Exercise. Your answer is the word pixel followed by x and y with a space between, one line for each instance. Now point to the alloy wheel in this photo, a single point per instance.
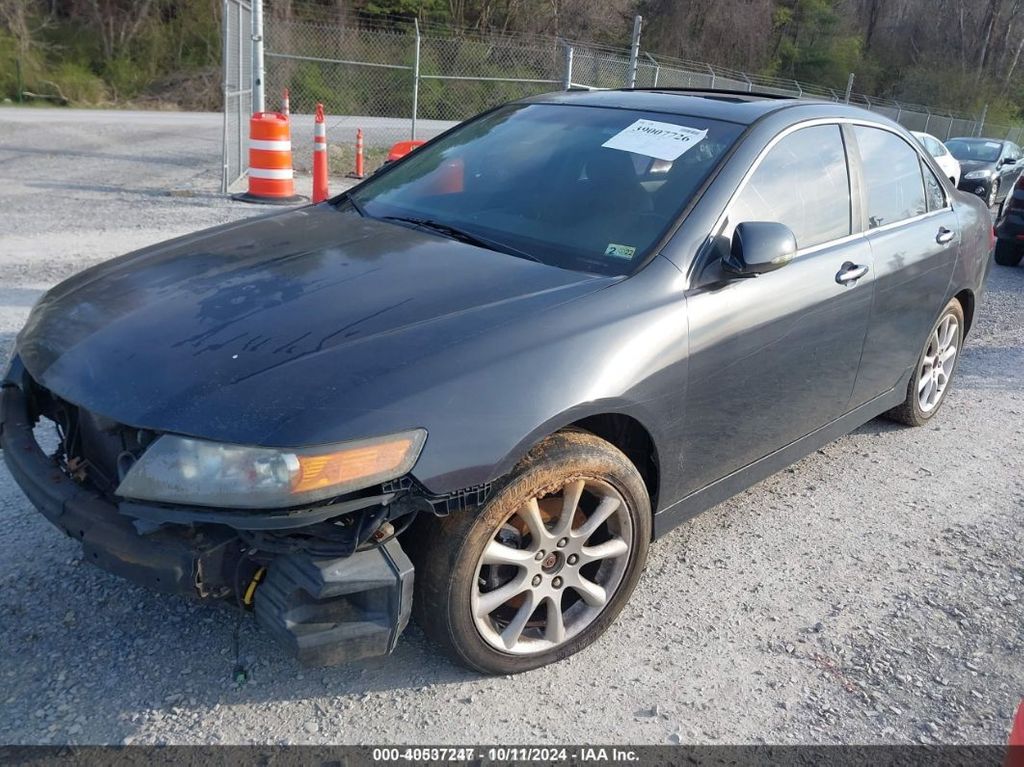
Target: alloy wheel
pixel 551 567
pixel 937 363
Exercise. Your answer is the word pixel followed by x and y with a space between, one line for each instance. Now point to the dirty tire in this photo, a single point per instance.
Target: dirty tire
pixel 1008 253
pixel 910 411
pixel 448 551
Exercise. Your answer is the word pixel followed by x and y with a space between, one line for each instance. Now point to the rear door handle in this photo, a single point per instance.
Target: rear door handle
pixel 945 235
pixel 850 273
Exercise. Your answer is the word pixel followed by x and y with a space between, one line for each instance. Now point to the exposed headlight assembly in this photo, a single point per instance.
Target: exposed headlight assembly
pixel 196 472
pixel 978 174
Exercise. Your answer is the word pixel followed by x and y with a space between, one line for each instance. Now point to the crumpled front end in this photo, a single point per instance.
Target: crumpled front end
pixel 330 581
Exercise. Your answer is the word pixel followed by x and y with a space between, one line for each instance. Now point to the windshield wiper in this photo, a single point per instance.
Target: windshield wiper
pixel 462 235
pixel 356 205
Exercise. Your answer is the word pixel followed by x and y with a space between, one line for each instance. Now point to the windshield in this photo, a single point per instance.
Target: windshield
pixel 585 188
pixel 976 150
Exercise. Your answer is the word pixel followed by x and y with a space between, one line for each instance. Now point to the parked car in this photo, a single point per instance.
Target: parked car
pixel 478 390
pixel 989 166
pixel 946 161
pixel 1010 227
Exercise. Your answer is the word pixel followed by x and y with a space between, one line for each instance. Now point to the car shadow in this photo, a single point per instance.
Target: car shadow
pixel 20 297
pixel 178 160
pixel 177 194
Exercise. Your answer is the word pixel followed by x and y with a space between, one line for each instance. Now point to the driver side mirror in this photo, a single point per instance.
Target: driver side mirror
pixel 1008 161
pixel 759 247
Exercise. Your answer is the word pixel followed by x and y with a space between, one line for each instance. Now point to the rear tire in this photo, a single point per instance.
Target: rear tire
pixel 490 580
pixel 1008 253
pixel 934 370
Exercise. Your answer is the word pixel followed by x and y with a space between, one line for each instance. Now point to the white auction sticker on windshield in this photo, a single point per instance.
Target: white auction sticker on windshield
pixel 664 141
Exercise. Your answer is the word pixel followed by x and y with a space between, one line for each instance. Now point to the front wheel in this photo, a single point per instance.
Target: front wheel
pixel 545 566
pixel 930 382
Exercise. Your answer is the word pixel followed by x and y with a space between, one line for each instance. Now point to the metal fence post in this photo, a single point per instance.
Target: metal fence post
pixel 799 90
pixel 657 68
pixel 927 120
pixel 567 80
pixel 415 79
pixel 711 69
pixel 240 142
pixel 634 50
pixel 849 88
pixel 984 116
pixel 750 85
pixel 259 103
pixel 899 110
pixel 224 75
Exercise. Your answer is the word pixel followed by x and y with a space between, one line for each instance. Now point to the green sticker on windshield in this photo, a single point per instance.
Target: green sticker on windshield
pixel 619 251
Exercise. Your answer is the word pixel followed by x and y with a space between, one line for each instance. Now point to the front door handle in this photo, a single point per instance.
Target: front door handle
pixel 850 273
pixel 944 236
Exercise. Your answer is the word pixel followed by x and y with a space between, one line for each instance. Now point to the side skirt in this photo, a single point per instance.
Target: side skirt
pixel 722 489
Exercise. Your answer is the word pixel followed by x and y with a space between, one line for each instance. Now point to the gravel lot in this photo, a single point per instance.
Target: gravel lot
pixel 872 593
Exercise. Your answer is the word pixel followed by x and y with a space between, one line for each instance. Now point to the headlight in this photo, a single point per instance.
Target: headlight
pixel 977 174
pixel 193 471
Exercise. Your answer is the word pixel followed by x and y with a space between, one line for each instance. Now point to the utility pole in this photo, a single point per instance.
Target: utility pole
pixel 415 79
pixel 634 50
pixel 849 88
pixel 259 101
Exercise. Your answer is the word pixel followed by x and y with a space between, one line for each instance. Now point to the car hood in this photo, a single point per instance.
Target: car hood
pixel 966 166
pixel 229 333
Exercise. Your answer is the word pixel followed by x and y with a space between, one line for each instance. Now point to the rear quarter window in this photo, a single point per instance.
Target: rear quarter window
pixel 892 175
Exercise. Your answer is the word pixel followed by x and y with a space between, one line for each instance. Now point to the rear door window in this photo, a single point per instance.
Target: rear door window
pixel 892 175
pixel 804 183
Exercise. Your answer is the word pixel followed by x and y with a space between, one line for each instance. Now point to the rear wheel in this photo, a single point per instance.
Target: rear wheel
pixel 930 382
pixel 1008 253
pixel 542 569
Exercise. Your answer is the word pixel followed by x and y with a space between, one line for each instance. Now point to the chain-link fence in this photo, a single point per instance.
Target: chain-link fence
pixel 237 23
pixel 403 80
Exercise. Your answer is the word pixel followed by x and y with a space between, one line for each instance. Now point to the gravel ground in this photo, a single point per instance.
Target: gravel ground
pixel 872 593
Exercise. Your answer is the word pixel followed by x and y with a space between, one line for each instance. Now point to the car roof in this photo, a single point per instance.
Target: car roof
pixel 733 106
pixel 978 138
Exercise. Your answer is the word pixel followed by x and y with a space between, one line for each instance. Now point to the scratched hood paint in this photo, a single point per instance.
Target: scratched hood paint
pixel 241 333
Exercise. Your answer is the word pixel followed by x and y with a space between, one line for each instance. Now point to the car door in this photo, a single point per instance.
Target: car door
pixel 914 236
pixel 774 357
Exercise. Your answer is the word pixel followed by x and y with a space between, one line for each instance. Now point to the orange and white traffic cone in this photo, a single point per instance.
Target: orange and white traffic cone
pixel 271 178
pixel 320 171
pixel 1015 750
pixel 359 155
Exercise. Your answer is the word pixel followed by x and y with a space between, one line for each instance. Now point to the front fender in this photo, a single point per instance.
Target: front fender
pixel 622 350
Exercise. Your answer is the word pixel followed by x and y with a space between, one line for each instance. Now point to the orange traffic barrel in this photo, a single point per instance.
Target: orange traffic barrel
pixel 271 178
pixel 401 148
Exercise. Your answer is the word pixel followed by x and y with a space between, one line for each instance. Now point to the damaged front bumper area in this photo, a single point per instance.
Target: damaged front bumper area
pixel 331 582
